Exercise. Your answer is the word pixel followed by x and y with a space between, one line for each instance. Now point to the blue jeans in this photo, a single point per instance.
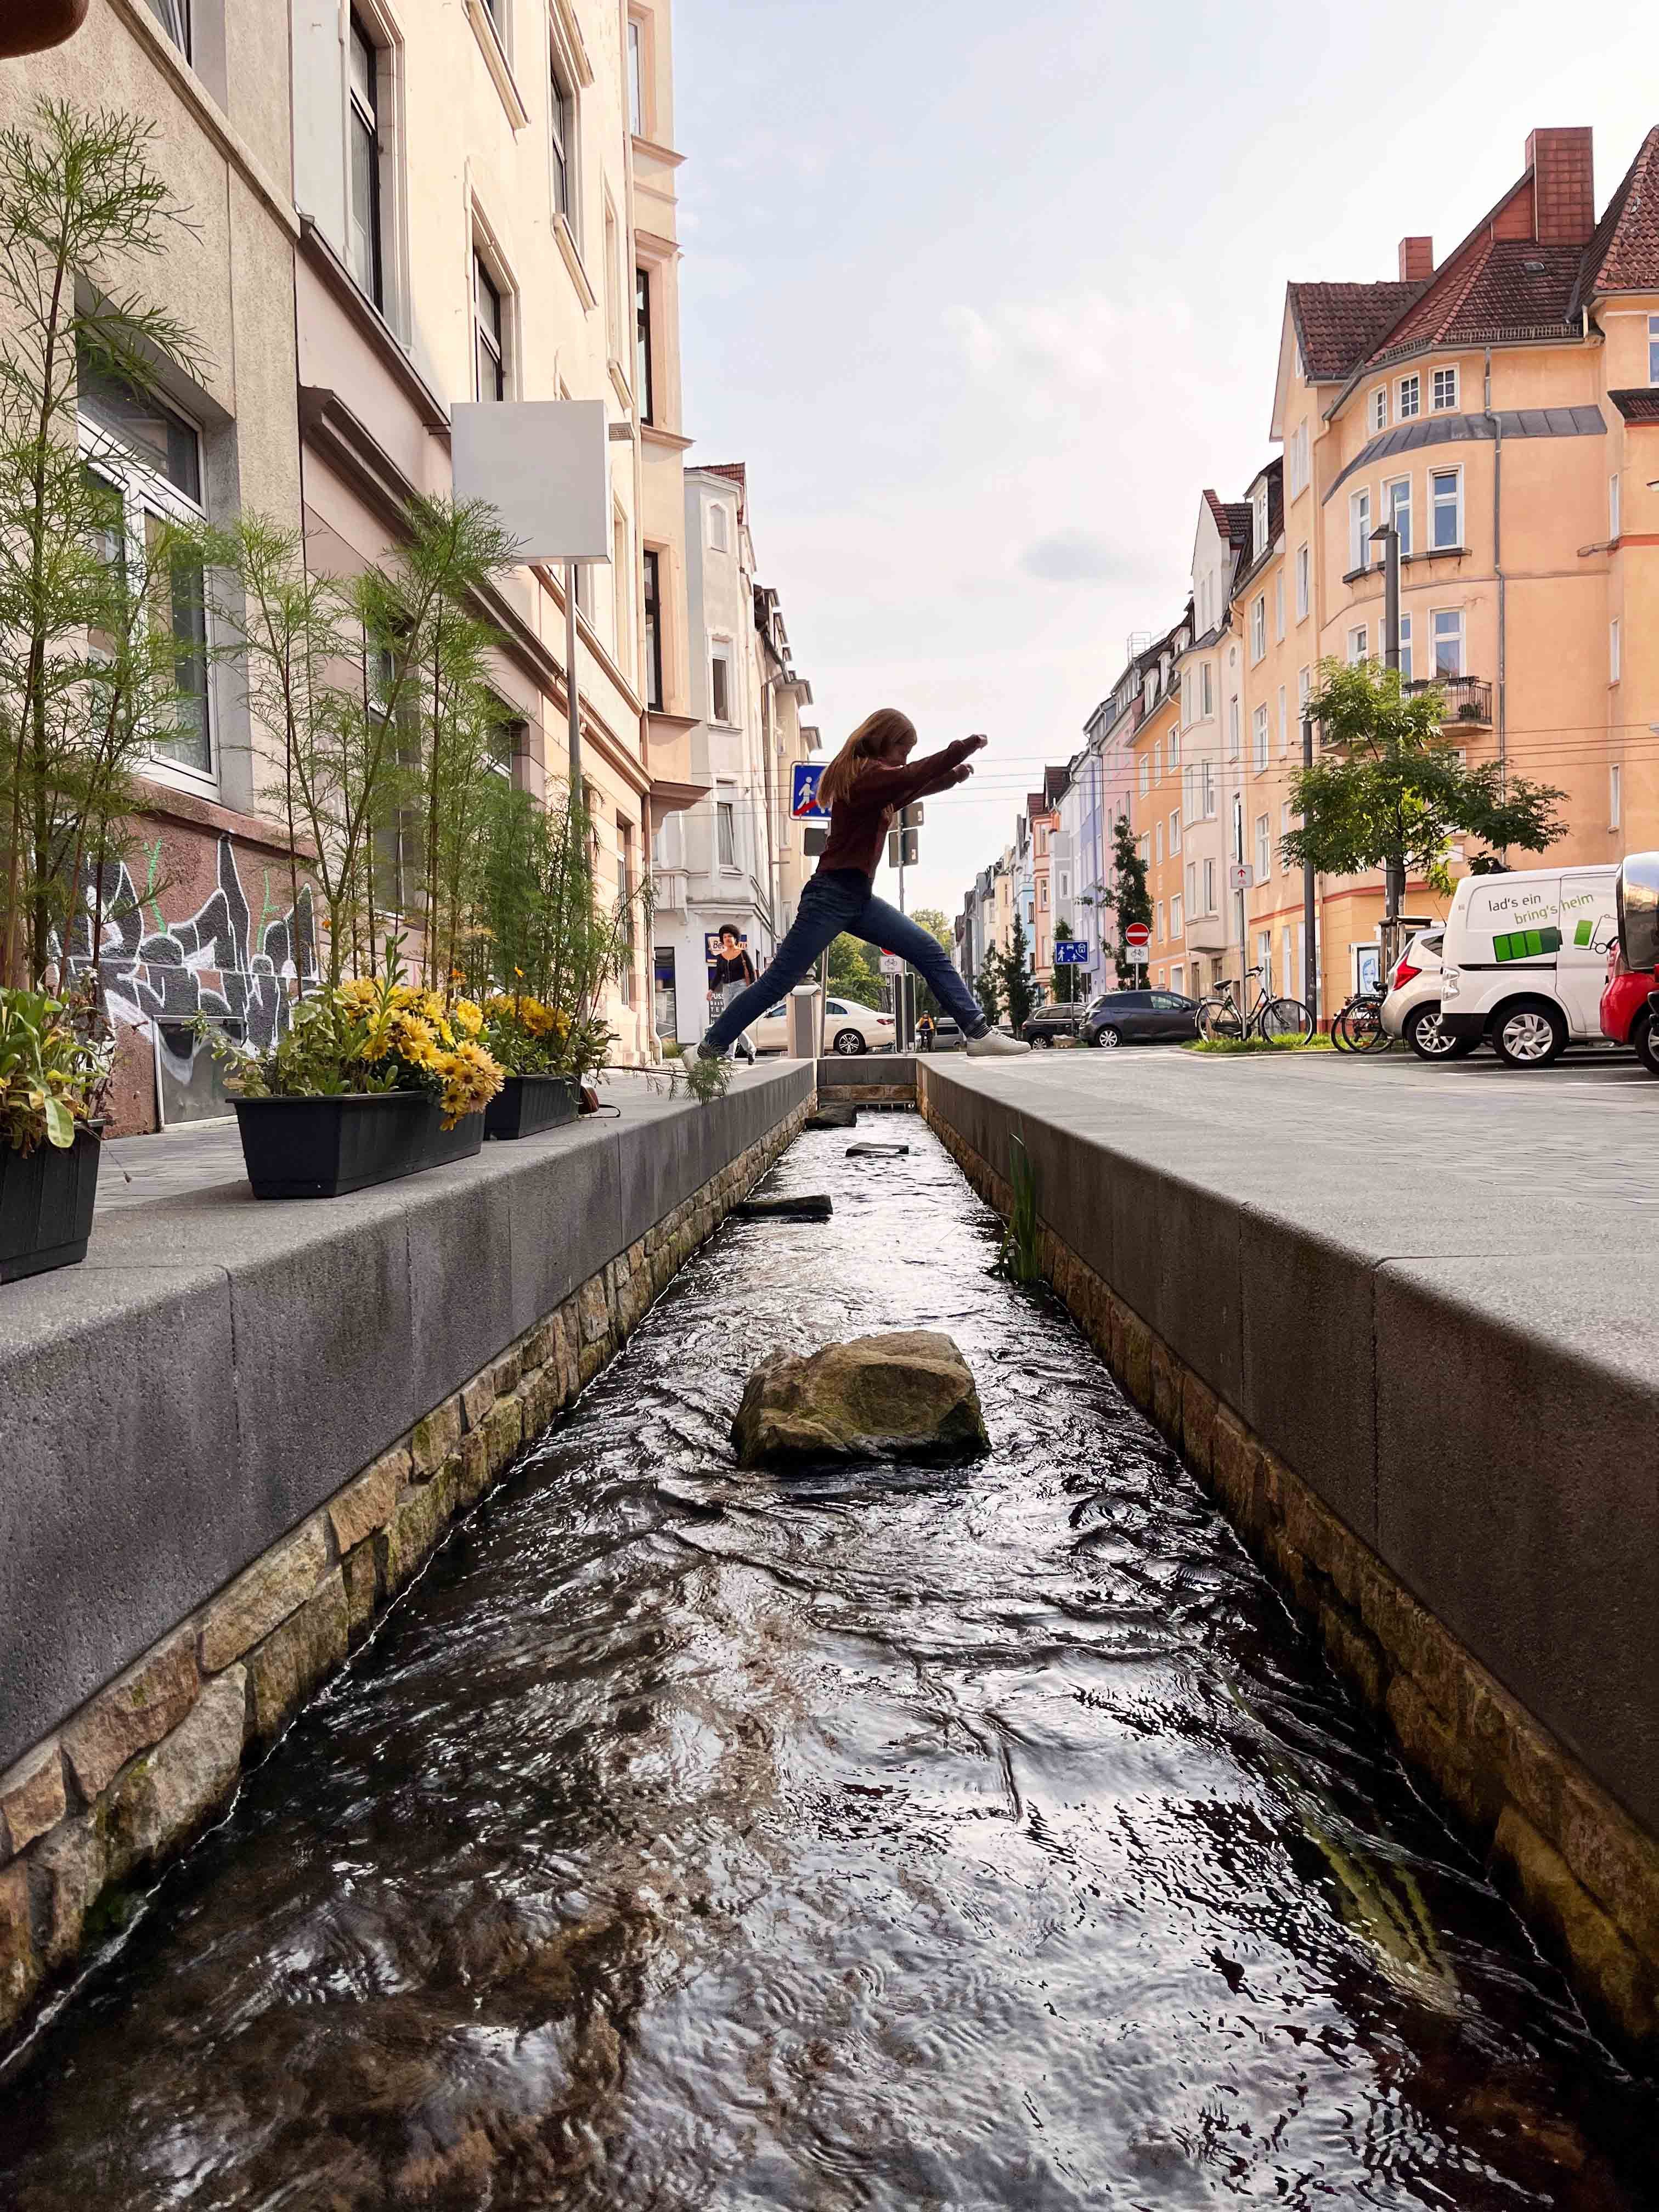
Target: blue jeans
pixel 842 900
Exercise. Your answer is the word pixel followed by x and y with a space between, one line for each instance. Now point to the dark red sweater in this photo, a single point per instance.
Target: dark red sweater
pixel 859 824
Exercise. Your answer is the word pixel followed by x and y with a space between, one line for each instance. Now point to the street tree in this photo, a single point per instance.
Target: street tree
pixel 1019 990
pixel 937 923
pixel 1388 791
pixel 988 986
pixel 852 972
pixel 1128 900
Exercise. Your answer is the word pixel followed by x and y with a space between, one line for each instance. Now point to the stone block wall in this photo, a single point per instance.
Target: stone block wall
pixel 130 1777
pixel 1584 1874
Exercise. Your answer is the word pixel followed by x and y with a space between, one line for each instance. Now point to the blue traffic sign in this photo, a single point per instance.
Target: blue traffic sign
pixel 804 794
pixel 1072 952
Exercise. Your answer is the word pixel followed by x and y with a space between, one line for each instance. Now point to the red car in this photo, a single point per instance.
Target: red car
pixel 1633 961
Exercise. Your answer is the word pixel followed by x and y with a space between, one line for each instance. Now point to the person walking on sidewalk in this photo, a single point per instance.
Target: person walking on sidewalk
pixel 870 779
pixel 733 971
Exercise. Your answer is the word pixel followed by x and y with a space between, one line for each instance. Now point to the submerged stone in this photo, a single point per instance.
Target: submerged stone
pixel 907 1396
pixel 809 1206
pixel 878 1152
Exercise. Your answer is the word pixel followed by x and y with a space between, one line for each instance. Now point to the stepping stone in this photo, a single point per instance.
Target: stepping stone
pixel 909 1396
pixel 878 1152
pixel 814 1207
pixel 833 1117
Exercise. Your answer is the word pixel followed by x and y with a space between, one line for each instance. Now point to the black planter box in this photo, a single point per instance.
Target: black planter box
pixel 527 1104
pixel 45 1205
pixel 324 1148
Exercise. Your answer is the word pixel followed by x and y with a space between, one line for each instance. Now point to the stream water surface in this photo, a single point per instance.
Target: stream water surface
pixel 988 1837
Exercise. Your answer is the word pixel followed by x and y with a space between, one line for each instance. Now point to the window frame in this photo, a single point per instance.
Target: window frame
pixel 1173 841
pixel 1264 847
pixel 652 566
pixel 1259 739
pixel 1379 409
pixel 644 371
pixel 495 343
pixel 1258 628
pixel 722 656
pixel 1436 615
pixel 1405 647
pixel 1436 507
pixel 725 833
pixel 1303 582
pixel 1408 410
pixel 1394 508
pixel 1359 644
pixel 1615 509
pixel 1615 795
pixel 1653 349
pixel 564 144
pixel 638 106
pixel 1359 530
pixel 1615 652
pixel 363 115
pixel 174 18
pixel 1438 377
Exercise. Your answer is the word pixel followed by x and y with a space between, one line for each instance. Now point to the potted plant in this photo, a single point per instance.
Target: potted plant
pixel 529 1039
pixel 374 1079
pixel 53 1075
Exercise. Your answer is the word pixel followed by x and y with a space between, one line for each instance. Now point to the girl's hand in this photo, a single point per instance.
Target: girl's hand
pixel 978 742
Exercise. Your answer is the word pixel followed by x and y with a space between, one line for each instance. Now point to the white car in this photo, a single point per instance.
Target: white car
pixel 847 1028
pixel 1411 1009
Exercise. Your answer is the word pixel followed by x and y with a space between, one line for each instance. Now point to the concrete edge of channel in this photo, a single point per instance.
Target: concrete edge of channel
pixel 133 1762
pixel 1544 1758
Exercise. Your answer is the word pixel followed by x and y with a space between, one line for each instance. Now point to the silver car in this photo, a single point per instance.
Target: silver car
pixel 1411 1009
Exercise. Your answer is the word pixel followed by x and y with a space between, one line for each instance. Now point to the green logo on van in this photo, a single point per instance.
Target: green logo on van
pixel 1531 944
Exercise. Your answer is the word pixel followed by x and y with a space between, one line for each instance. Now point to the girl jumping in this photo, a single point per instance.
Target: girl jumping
pixel 864 786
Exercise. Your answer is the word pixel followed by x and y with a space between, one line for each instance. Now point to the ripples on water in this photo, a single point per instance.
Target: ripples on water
pixel 686 1839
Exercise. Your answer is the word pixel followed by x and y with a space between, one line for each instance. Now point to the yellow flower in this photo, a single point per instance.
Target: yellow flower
pixel 412 1039
pixel 471 1079
pixel 467 1017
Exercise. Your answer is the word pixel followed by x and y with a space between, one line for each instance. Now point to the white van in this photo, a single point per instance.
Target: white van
pixel 1525 958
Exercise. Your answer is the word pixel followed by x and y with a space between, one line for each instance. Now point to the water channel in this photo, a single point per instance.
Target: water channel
pixel 985 1838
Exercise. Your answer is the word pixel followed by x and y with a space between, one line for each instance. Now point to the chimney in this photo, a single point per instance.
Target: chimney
pixel 1416 260
pixel 1562 165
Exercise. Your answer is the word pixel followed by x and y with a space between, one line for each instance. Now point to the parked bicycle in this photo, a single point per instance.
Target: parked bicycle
pixel 1221 1020
pixel 1359 1025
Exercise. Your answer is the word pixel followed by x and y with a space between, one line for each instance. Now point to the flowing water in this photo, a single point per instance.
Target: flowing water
pixel 984 1838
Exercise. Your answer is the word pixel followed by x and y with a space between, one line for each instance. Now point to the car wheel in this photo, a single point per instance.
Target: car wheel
pixel 1044 1038
pixel 849 1042
pixel 1645 1037
pixel 1530 1035
pixel 1427 1035
pixel 1107 1038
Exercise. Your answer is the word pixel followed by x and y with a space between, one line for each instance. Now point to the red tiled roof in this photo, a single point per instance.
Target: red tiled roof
pixel 1337 326
pixel 1623 254
pixel 1639 405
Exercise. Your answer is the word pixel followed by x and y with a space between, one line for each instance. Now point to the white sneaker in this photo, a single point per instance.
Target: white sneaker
pixel 992 1044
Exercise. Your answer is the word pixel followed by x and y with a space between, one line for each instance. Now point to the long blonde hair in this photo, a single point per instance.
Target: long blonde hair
pixel 868 742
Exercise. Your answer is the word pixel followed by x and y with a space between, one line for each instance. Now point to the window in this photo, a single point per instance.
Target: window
pixel 1146 776
pixel 1186 696
pixel 1304 689
pixel 1653 349
pixel 1302 583
pixel 562 113
pixel 1446 625
pixel 725 825
pixel 1443 400
pixel 635 78
pixel 1192 883
pixel 1174 750
pixel 1278 606
pixel 1284 722
pixel 489 334
pixel 1297 459
pixel 1177 975
pixel 1158 843
pixel 1359 531
pixel 1380 408
pixel 1042 894
pixel 1613 655
pixel 150 460
pixel 363 164
pixel 1175 918
pixel 1259 732
pixel 1410 389
pixel 1209 887
pixel 1263 854
pixel 719 530
pixel 173 16
pixel 1259 522
pixel 612 284
pixel 1160 921
pixel 653 632
pixel 1157 759
pixel 1446 506
pixel 1615 809
pixel 1206 687
pixel 1357 641
pixel 1284 832
pixel 642 342
pixel 1264 956
pixel 1397 506
pixel 1232 729
pixel 1613 505
pixel 1144 847
pixel 720 682
pixel 625 896
pixel 1405 648
pixel 1259 627
pixel 1208 770
pixel 1175 832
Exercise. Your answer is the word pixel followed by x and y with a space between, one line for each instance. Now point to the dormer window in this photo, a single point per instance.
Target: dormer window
pixel 1380 408
pixel 1259 517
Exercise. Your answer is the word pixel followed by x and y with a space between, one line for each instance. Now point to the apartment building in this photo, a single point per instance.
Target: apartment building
pixel 189 926
pixel 788 742
pixel 1042 824
pixel 466 178
pixel 1272 624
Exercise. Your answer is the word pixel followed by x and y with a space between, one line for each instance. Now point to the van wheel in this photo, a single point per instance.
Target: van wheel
pixel 1530 1034
pixel 1644 1037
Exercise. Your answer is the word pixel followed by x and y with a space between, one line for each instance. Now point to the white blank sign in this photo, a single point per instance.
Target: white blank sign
pixel 544 466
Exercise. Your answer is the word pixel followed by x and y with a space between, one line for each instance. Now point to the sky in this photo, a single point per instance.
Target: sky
pixel 986 298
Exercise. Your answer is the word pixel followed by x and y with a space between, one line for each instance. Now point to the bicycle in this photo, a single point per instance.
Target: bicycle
pixel 1359 1025
pixel 1221 1021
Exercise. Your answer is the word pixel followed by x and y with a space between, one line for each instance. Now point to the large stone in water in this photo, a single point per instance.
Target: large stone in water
pixel 909 1396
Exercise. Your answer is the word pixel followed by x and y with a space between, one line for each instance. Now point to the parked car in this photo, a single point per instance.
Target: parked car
pixel 1523 959
pixel 1048 1023
pixel 1411 1009
pixel 947 1033
pixel 847 1028
pixel 1139 1017
pixel 1633 961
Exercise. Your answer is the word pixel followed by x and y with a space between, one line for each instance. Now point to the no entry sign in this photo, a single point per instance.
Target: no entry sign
pixel 1137 933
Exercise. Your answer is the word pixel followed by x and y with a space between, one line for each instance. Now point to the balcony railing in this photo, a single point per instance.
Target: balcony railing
pixel 1469 699
pixel 668 889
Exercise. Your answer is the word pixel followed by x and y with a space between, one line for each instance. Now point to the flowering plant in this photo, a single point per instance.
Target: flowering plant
pixel 54 1070
pixel 524 1034
pixel 372 1034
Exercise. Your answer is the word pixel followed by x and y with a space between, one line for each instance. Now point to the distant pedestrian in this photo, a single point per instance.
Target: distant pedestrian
pixel 864 786
pixel 734 974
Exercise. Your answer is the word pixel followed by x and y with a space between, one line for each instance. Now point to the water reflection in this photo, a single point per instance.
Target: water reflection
pixel 983 1838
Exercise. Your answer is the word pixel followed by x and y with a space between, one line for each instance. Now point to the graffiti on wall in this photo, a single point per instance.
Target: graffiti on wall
pixel 223 962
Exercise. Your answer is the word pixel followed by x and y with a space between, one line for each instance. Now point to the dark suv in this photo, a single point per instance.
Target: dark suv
pixel 1050 1022
pixel 1139 1018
